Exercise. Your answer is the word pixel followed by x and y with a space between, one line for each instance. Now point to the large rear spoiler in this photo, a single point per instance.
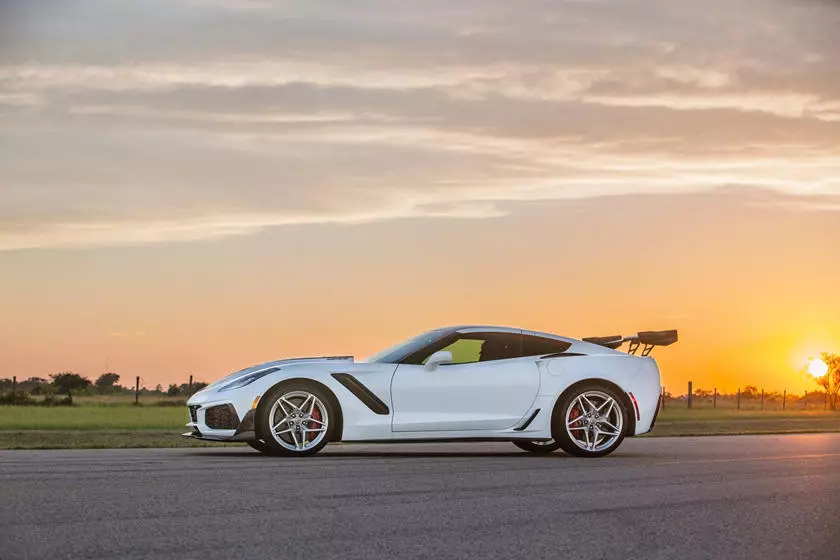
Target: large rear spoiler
pixel 650 339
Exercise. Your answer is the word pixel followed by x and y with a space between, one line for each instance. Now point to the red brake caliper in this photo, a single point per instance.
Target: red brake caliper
pixel 575 415
pixel 316 415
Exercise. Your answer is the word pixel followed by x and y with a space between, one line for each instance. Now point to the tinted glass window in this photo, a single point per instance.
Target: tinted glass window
pixel 473 347
pixel 464 351
pixel 410 347
pixel 540 346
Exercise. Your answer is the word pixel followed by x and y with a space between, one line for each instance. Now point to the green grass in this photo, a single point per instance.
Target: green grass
pixel 93 417
pixel 102 423
pixel 684 422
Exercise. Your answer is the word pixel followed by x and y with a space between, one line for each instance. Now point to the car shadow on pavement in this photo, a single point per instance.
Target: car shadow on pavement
pixel 337 454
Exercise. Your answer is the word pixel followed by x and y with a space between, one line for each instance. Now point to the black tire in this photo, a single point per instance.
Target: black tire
pixel 574 445
pixel 270 413
pixel 540 447
pixel 259 445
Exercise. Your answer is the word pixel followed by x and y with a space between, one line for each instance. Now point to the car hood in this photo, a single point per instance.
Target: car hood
pixel 276 363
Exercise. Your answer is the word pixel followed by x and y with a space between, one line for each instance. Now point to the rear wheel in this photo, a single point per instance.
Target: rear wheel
pixel 294 420
pixel 538 446
pixel 591 421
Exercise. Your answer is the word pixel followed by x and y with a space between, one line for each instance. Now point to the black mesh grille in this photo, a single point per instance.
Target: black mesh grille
pixel 194 412
pixel 222 417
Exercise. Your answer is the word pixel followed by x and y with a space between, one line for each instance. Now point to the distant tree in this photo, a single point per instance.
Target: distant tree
pixel 830 382
pixel 185 389
pixel 750 392
pixel 66 382
pixel 703 393
pixel 107 381
pixel 36 386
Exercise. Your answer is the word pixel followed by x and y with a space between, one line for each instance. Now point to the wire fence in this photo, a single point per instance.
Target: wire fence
pixel 750 399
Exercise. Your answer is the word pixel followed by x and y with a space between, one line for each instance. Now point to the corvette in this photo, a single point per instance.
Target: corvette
pixel 542 392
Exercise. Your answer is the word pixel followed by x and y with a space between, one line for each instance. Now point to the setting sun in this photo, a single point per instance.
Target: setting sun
pixel 817 367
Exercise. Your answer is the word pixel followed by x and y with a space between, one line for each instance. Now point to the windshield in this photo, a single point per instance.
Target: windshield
pixel 396 354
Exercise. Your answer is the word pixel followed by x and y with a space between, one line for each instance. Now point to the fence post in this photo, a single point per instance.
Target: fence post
pixel 690 394
pixel 762 399
pixel 137 390
pixel 662 396
pixel 189 390
pixel 714 403
pixel 14 387
pixel 738 401
pixel 784 399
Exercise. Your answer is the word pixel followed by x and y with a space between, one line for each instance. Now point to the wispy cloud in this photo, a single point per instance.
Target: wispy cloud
pixel 276 114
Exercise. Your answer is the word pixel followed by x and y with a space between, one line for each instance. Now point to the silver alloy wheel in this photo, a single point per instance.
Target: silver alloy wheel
pixel 594 421
pixel 299 421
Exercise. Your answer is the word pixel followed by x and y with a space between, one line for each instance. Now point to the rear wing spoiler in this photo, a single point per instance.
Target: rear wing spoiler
pixel 649 339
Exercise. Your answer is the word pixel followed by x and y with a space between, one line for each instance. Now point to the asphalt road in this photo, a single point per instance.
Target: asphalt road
pixel 762 497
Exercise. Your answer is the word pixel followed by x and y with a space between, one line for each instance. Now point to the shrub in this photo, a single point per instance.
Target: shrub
pixel 171 403
pixel 52 400
pixel 17 398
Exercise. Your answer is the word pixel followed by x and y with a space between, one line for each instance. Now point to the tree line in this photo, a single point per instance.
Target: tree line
pixel 70 384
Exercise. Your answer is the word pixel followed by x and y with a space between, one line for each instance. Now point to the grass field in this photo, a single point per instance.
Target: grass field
pixel 105 424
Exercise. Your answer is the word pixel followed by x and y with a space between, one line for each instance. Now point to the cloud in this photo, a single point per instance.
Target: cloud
pixel 75 235
pixel 229 117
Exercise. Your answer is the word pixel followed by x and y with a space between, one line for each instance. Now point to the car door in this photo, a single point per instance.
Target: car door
pixel 490 386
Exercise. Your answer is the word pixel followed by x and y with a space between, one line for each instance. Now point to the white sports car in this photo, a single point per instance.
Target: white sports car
pixel 539 391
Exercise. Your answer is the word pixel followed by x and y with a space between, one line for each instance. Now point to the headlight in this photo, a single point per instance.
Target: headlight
pixel 248 379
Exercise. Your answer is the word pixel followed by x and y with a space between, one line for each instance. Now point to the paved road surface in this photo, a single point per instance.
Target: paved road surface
pixel 762 497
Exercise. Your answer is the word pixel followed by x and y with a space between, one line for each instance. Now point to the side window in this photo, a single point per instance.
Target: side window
pixel 465 350
pixel 485 347
pixel 540 346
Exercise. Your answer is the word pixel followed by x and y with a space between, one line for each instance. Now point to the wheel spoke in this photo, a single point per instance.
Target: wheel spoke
pixel 314 430
pixel 586 435
pixel 574 421
pixel 305 402
pixel 595 433
pixel 610 424
pixel 286 431
pixel 592 407
pixel 280 423
pixel 284 400
pixel 610 434
pixel 295 439
pixel 318 422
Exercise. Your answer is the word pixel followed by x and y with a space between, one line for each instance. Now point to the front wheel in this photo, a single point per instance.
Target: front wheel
pixel 541 447
pixel 259 445
pixel 591 422
pixel 293 419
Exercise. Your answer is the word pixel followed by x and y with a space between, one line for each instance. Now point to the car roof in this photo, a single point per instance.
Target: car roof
pixel 510 330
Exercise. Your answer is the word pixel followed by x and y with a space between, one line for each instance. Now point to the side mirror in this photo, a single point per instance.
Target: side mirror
pixel 438 359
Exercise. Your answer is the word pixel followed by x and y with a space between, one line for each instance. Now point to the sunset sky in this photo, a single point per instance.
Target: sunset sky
pixel 195 186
